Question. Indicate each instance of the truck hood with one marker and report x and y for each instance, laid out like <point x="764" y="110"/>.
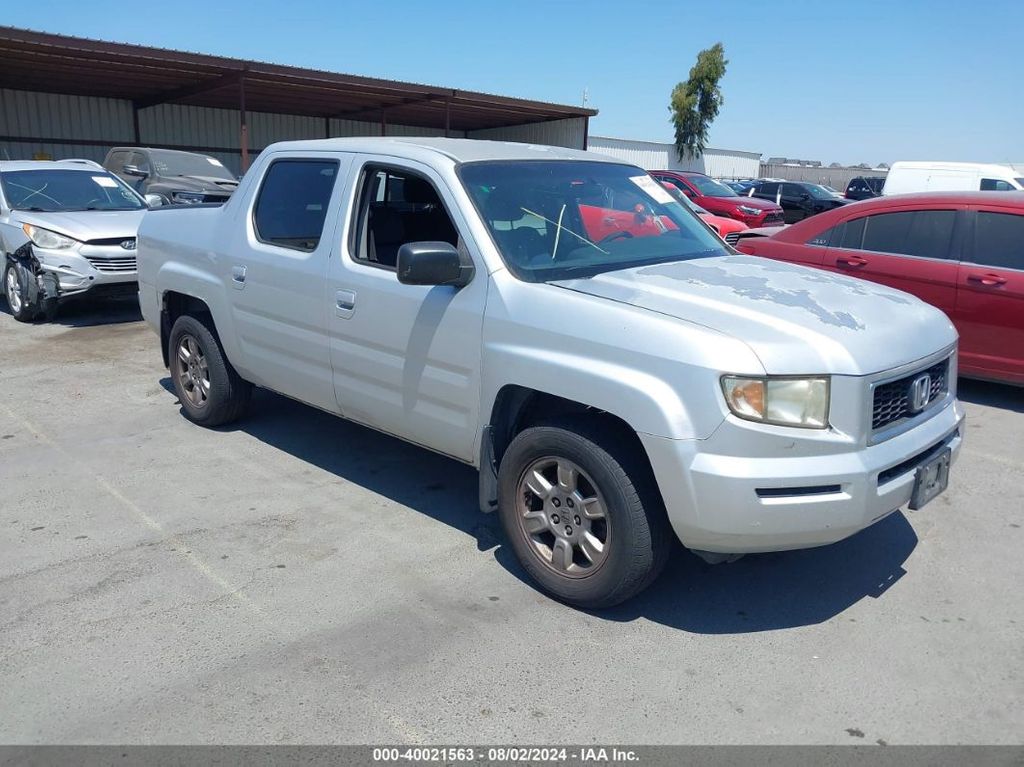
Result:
<point x="85" y="225"/>
<point x="797" y="320"/>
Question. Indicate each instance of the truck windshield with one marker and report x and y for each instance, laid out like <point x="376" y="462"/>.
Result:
<point x="55" y="189"/>
<point x="169" y="163"/>
<point x="556" y="219"/>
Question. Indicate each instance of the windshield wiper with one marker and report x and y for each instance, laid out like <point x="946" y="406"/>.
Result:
<point x="35" y="209"/>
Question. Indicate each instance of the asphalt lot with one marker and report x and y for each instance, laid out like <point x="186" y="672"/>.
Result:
<point x="297" y="578"/>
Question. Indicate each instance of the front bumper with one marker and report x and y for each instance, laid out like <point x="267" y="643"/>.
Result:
<point x="714" y="504"/>
<point x="89" y="267"/>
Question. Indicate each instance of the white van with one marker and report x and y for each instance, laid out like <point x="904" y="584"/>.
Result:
<point x="906" y="177"/>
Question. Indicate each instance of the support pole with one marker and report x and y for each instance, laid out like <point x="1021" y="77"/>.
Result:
<point x="135" y="124"/>
<point x="447" y="117"/>
<point x="243" y="125"/>
<point x="383" y="122"/>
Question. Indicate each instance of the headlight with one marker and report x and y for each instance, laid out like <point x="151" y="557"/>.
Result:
<point x="187" y="198"/>
<point x="748" y="210"/>
<point x="44" y="238"/>
<point x="782" y="401"/>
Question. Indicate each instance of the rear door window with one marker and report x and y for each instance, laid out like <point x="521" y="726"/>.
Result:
<point x="923" y="233"/>
<point x="999" y="240"/>
<point x="767" y="190"/>
<point x="292" y="203"/>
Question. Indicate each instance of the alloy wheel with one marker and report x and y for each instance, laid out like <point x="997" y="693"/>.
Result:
<point x="563" y="517"/>
<point x="192" y="370"/>
<point x="13" y="290"/>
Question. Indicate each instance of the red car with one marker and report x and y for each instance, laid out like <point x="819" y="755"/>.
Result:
<point x="962" y="252"/>
<point x="727" y="228"/>
<point x="721" y="200"/>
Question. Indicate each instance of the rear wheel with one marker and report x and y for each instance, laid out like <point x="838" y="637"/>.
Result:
<point x="210" y="391"/>
<point x="582" y="513"/>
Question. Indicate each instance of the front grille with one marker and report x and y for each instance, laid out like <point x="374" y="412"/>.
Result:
<point x="732" y="238"/>
<point x="217" y="198"/>
<point x="773" y="218"/>
<point x="125" y="263"/>
<point x="892" y="399"/>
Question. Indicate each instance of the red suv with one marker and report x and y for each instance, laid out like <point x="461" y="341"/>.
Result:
<point x="721" y="200"/>
<point x="962" y="252"/>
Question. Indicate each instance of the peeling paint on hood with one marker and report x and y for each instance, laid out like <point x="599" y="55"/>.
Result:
<point x="798" y="320"/>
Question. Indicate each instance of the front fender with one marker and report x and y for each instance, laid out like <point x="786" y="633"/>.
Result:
<point x="647" y="403"/>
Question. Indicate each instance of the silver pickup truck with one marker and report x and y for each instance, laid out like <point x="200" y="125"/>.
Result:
<point x="554" y="318"/>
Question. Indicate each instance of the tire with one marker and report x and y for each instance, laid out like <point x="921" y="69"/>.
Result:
<point x="635" y="534"/>
<point x="210" y="391"/>
<point x="21" y="293"/>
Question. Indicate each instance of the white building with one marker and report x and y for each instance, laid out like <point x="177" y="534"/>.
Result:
<point x="653" y="155"/>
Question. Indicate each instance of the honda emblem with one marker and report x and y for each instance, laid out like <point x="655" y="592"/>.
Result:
<point x="920" y="393"/>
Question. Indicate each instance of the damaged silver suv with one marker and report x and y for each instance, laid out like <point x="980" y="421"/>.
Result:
<point x="67" y="229"/>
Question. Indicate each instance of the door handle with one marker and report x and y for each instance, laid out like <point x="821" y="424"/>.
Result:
<point x="345" y="303"/>
<point x="988" y="280"/>
<point x="238" y="275"/>
<point x="851" y="261"/>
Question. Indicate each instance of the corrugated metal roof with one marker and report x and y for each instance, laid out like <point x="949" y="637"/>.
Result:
<point x="148" y="76"/>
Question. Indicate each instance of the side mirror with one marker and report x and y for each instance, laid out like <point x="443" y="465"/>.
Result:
<point x="432" y="263"/>
<point x="154" y="200"/>
<point x="134" y="170"/>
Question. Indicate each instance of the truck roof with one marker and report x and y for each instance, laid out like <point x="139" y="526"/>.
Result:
<point x="458" y="150"/>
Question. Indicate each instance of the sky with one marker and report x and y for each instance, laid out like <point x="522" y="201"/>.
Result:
<point x="866" y="81"/>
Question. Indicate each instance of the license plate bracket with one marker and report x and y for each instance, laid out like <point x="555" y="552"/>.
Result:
<point x="931" y="479"/>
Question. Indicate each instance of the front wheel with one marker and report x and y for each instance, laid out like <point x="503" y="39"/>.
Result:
<point x="210" y="390"/>
<point x="582" y="513"/>
<point x="21" y="299"/>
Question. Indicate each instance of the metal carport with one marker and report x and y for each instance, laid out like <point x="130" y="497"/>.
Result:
<point x="69" y="92"/>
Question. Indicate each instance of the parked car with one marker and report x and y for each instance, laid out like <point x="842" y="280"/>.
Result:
<point x="910" y="177"/>
<point x="799" y="199"/>
<point x="720" y="199"/>
<point x="67" y="229"/>
<point x="727" y="228"/>
<point x="179" y="178"/>
<point x="864" y="187"/>
<point x="611" y="392"/>
<point x="962" y="252"/>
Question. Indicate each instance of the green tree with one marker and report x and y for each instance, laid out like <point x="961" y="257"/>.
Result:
<point x="696" y="102"/>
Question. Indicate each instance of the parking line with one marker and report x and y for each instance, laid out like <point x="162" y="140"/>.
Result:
<point x="182" y="548"/>
<point x="404" y="730"/>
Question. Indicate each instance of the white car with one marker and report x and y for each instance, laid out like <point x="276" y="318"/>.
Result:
<point x="67" y="228"/>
